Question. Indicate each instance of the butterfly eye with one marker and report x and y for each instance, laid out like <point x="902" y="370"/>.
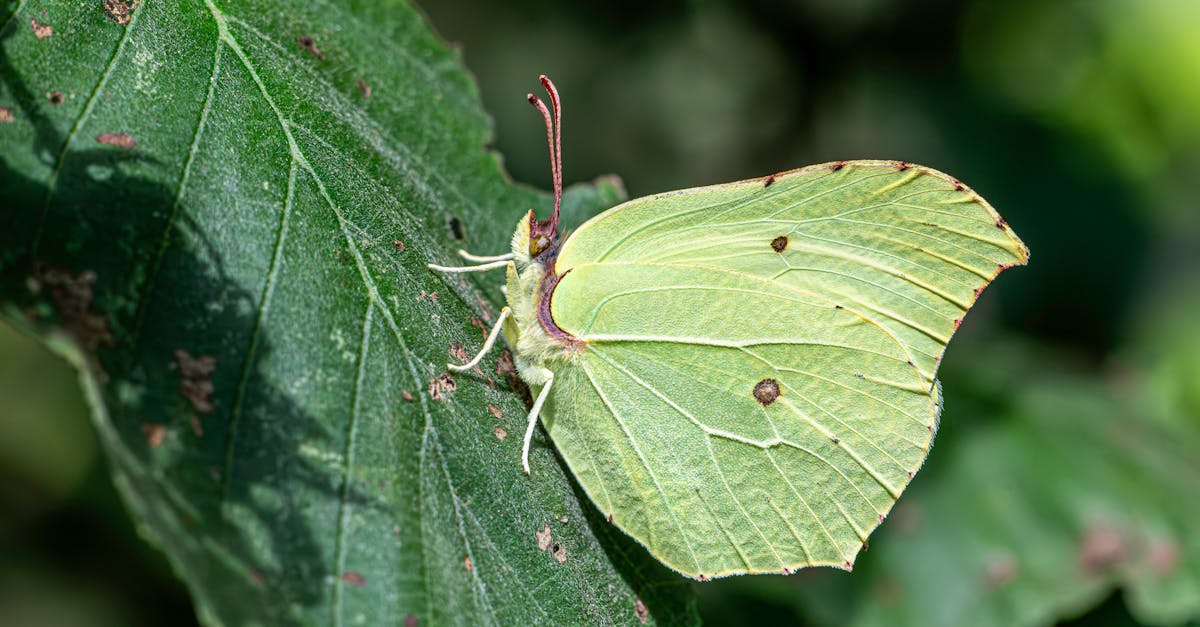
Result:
<point x="538" y="244"/>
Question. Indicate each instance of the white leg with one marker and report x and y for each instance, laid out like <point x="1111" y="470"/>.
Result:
<point x="487" y="344"/>
<point x="480" y="268"/>
<point x="533" y="418"/>
<point x="483" y="258"/>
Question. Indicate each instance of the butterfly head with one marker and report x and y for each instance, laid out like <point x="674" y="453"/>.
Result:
<point x="543" y="234"/>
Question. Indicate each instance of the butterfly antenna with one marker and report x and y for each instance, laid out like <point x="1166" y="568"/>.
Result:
<point x="553" y="129"/>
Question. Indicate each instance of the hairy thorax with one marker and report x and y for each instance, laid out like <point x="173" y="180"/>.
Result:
<point x="536" y="346"/>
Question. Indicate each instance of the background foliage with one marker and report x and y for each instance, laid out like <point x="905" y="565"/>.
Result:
<point x="1062" y="484"/>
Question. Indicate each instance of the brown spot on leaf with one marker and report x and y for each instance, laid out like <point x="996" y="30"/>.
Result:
<point x="901" y="166"/>
<point x="496" y="412"/>
<point x="354" y="577"/>
<point x="835" y="440"/>
<point x="483" y="306"/>
<point x="766" y="391"/>
<point x="309" y="44"/>
<point x="120" y="11"/>
<point x="406" y="395"/>
<point x="155" y="433"/>
<point x="410" y="620"/>
<point x="1000" y="223"/>
<point x="978" y="291"/>
<point x="766" y="183"/>
<point x="363" y="88"/>
<point x="702" y="577"/>
<point x="504" y="365"/>
<point x="441" y="386"/>
<point x="559" y="552"/>
<point x="640" y="611"/>
<point x="837" y="166"/>
<point x="609" y="518"/>
<point x="456" y="227"/>
<point x="1102" y="547"/>
<point x="500" y="433"/>
<point x="957" y="323"/>
<point x="1001" y="570"/>
<point x="41" y="30"/>
<point x="458" y="352"/>
<point x="258" y="577"/>
<point x="72" y="297"/>
<point x="398" y="244"/>
<point x="195" y="381"/>
<point x="6" y="115"/>
<point x="958" y="186"/>
<point x="120" y="140"/>
<point x="779" y="243"/>
<point x="467" y="563"/>
<point x="56" y="98"/>
<point x="478" y="324"/>
<point x="544" y="538"/>
<point x="433" y="296"/>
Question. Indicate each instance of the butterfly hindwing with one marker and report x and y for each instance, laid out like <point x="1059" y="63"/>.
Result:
<point x="758" y="384"/>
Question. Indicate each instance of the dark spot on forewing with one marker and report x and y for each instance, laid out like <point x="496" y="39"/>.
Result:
<point x="779" y="243"/>
<point x="766" y="391"/>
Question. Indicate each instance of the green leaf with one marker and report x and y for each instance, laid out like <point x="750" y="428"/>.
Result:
<point x="227" y="208"/>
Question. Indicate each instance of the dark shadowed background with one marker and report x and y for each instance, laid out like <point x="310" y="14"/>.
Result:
<point x="1072" y="390"/>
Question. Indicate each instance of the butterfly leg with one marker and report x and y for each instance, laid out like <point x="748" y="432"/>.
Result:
<point x="483" y="258"/>
<point x="487" y="344"/>
<point x="533" y="417"/>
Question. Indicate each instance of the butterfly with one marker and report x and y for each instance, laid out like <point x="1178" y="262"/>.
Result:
<point x="742" y="377"/>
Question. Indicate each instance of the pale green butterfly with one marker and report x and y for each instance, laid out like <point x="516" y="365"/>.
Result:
<point x="742" y="376"/>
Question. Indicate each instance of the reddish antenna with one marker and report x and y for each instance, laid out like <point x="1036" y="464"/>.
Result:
<point x="554" y="140"/>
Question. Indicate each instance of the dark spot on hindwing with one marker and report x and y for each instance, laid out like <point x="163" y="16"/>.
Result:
<point x="766" y="391"/>
<point x="779" y="243"/>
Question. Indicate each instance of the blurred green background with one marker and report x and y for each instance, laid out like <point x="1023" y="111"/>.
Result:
<point x="1079" y="120"/>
